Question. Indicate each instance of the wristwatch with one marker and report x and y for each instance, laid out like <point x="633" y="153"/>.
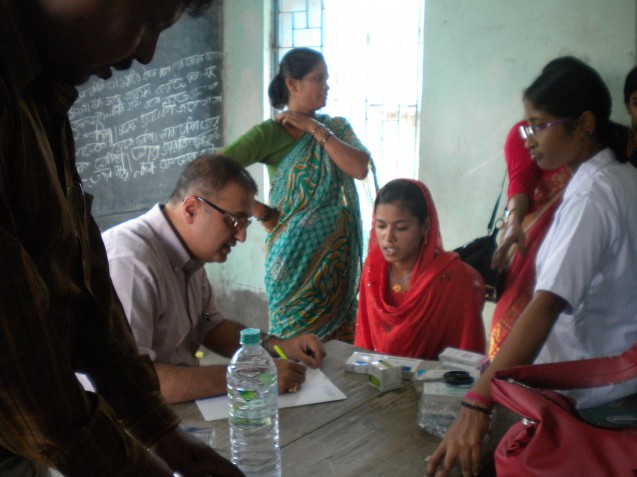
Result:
<point x="265" y="340"/>
<point x="268" y="214"/>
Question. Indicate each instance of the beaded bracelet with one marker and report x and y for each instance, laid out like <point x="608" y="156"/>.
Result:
<point x="488" y="402"/>
<point x="483" y="410"/>
<point x="328" y="134"/>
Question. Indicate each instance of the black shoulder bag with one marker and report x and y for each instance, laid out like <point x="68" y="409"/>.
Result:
<point x="479" y="252"/>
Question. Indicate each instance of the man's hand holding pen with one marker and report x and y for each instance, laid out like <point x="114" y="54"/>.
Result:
<point x="295" y="353"/>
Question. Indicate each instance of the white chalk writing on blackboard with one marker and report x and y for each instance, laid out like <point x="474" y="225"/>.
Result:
<point x="134" y="147"/>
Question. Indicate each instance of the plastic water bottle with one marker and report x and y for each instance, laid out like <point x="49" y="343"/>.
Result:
<point x="254" y="410"/>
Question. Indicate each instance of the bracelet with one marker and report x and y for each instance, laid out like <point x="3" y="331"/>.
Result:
<point x="316" y="129"/>
<point x="488" y="402"/>
<point x="508" y="212"/>
<point x="328" y="134"/>
<point x="483" y="410"/>
<point x="269" y="213"/>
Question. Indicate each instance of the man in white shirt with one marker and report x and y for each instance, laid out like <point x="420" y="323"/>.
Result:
<point x="157" y="266"/>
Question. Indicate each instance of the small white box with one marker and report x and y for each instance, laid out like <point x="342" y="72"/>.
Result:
<point x="384" y="376"/>
<point x="359" y="363"/>
<point x="467" y="359"/>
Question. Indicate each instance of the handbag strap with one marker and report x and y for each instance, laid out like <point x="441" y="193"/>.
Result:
<point x="585" y="373"/>
<point x="494" y="214"/>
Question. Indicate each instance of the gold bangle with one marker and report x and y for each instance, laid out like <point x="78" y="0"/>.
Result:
<point x="316" y="129"/>
<point x="328" y="134"/>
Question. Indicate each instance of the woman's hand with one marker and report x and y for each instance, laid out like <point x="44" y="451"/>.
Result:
<point x="266" y="215"/>
<point x="513" y="235"/>
<point x="350" y="160"/>
<point x="299" y="121"/>
<point x="461" y="443"/>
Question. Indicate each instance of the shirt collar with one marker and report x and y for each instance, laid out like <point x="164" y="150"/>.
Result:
<point x="588" y="168"/>
<point x="170" y="241"/>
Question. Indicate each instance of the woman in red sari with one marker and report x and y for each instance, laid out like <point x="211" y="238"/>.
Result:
<point x="533" y="197"/>
<point x="415" y="299"/>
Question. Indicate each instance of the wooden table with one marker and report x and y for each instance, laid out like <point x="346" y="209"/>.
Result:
<point x="368" y="434"/>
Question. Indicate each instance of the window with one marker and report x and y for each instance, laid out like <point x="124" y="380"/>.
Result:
<point x="374" y="53"/>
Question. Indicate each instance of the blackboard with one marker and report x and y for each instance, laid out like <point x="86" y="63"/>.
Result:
<point x="135" y="132"/>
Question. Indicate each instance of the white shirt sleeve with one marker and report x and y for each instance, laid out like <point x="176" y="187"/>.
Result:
<point x="578" y="243"/>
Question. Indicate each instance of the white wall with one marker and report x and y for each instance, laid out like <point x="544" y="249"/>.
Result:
<point x="478" y="57"/>
<point x="239" y="283"/>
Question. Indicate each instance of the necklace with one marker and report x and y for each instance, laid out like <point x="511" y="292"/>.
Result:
<point x="397" y="286"/>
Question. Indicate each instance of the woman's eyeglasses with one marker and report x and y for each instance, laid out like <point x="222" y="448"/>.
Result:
<point x="238" y="223"/>
<point x="532" y="130"/>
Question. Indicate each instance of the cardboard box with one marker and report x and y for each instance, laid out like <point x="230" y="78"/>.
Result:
<point x="384" y="376"/>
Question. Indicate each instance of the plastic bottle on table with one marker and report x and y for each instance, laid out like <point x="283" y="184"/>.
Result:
<point x="254" y="410"/>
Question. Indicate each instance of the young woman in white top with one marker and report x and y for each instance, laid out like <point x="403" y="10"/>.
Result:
<point x="585" y="304"/>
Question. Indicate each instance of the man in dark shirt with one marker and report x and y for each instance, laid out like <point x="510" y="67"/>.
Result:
<point x="58" y="311"/>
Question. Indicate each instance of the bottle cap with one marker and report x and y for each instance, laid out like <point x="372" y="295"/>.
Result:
<point x="250" y="336"/>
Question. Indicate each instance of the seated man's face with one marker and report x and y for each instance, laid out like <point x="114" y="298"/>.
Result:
<point x="214" y="232"/>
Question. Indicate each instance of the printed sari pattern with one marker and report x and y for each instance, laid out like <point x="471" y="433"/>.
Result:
<point x="314" y="253"/>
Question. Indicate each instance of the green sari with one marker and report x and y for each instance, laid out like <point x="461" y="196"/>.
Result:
<point x="314" y="253"/>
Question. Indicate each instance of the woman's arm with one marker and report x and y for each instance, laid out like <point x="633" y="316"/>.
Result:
<point x="513" y="233"/>
<point x="464" y="438"/>
<point x="350" y="160"/>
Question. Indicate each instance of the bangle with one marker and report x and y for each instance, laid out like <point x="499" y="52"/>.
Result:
<point x="328" y="134"/>
<point x="508" y="212"/>
<point x="486" y="401"/>
<point x="316" y="129"/>
<point x="267" y="215"/>
<point x="483" y="410"/>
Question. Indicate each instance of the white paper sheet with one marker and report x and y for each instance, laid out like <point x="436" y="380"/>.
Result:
<point x="316" y="388"/>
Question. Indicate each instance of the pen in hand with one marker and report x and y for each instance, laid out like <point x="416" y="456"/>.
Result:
<point x="280" y="352"/>
<point x="282" y="355"/>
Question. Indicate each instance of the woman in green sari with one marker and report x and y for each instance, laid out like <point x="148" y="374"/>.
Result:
<point x="314" y="244"/>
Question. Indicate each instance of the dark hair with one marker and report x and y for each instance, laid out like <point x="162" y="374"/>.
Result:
<point x="562" y="64"/>
<point x="630" y="85"/>
<point x="197" y="8"/>
<point x="209" y="174"/>
<point x="570" y="89"/>
<point x="295" y="63"/>
<point x="401" y="190"/>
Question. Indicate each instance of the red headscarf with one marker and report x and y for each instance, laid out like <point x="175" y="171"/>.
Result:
<point x="443" y="306"/>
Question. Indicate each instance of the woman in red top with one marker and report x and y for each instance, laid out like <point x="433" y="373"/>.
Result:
<point x="415" y="299"/>
<point x="533" y="197"/>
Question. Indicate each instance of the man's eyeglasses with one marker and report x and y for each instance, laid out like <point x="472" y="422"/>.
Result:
<point x="531" y="130"/>
<point x="238" y="223"/>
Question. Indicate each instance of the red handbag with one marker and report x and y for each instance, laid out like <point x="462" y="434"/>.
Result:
<point x="552" y="439"/>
